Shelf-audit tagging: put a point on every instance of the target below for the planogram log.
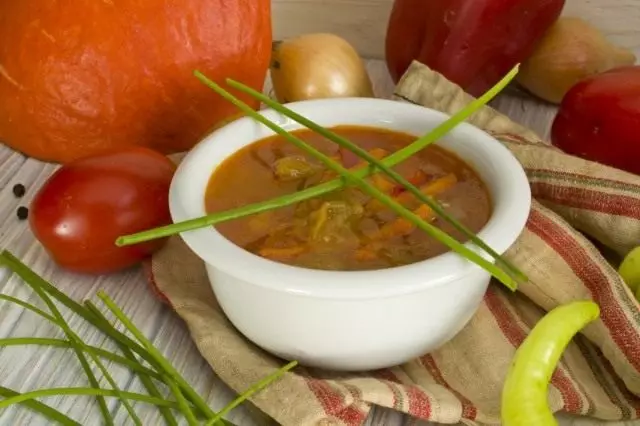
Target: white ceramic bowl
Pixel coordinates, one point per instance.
(350, 320)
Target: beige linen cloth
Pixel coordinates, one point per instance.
(599, 376)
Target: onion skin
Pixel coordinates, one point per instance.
(524, 394)
(316, 66)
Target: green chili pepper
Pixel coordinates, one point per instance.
(524, 394)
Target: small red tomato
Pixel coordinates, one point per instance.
(599, 119)
(87, 204)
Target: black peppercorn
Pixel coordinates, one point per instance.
(22, 212)
(19, 190)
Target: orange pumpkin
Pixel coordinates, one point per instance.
(78, 77)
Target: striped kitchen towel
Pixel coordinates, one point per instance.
(577, 204)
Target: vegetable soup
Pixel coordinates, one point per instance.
(346, 229)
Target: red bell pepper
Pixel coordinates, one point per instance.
(599, 119)
(473, 43)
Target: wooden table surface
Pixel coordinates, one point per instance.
(29, 368)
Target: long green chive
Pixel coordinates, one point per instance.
(345, 143)
(144, 378)
(78, 346)
(37, 406)
(28, 399)
(155, 353)
(29, 307)
(182, 403)
(371, 190)
(78, 349)
(102, 353)
(110, 380)
(318, 190)
(29, 276)
(263, 383)
(42, 393)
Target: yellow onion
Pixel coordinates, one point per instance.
(314, 66)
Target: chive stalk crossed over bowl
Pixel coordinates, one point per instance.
(502, 270)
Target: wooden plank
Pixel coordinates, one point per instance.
(364, 22)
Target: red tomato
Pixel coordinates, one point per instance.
(88, 203)
(599, 119)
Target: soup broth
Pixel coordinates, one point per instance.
(346, 229)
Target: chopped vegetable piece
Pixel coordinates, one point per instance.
(378, 153)
(398, 228)
(366, 253)
(402, 226)
(281, 253)
(293, 167)
(261, 223)
(382, 183)
(431, 189)
(332, 219)
(349, 159)
(418, 178)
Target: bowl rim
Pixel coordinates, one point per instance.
(216, 251)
